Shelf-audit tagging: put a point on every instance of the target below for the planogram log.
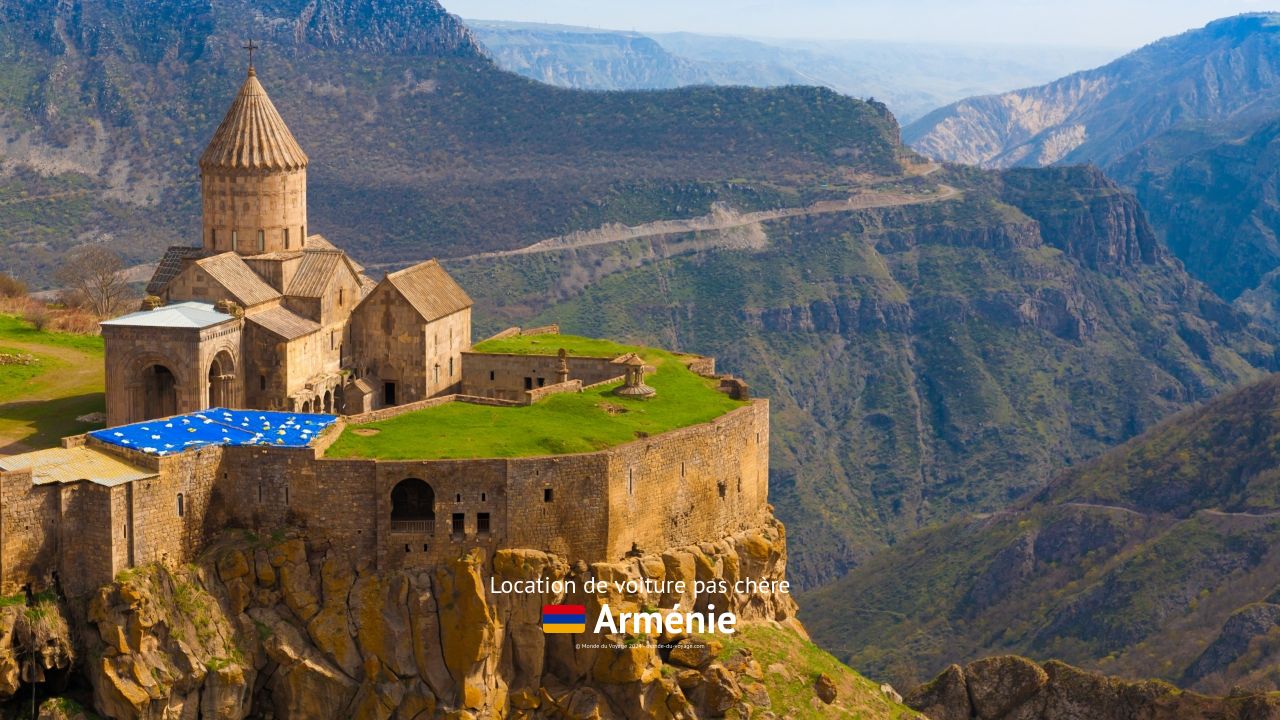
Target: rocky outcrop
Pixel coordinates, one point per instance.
(1245, 625)
(302, 631)
(35, 643)
(1011, 687)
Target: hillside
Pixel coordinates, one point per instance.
(1157, 559)
(420, 146)
(922, 360)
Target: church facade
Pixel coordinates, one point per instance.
(264, 314)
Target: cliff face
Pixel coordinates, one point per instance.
(1010, 687)
(279, 628)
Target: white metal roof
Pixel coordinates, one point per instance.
(177, 315)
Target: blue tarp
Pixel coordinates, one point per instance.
(217, 426)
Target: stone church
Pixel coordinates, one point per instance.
(264, 314)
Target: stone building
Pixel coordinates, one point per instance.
(263, 314)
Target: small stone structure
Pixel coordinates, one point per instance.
(633, 380)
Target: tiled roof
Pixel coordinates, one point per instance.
(318, 242)
(430, 290)
(170, 265)
(178, 315)
(63, 465)
(283, 322)
(231, 271)
(314, 273)
(253, 136)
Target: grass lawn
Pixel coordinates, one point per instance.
(40, 403)
(551, 344)
(567, 423)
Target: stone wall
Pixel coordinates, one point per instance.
(28, 532)
(691, 484)
(508, 376)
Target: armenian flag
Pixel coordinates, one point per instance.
(564, 619)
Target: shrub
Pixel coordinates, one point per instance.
(38, 315)
(11, 287)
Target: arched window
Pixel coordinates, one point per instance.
(413, 507)
(262, 241)
(182, 509)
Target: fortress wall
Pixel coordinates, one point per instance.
(85, 527)
(690, 485)
(462, 487)
(502, 376)
(269, 487)
(28, 531)
(574, 522)
(161, 530)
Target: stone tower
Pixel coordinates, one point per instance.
(253, 179)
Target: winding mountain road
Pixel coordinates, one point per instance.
(720, 218)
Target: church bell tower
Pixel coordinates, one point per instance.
(253, 179)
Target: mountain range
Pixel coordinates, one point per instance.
(911, 78)
(421, 148)
(1188, 123)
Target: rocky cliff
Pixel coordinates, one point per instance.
(278, 627)
(1014, 688)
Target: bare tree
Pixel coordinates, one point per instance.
(97, 275)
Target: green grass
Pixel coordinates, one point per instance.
(40, 403)
(551, 344)
(16, 380)
(15, 328)
(560, 424)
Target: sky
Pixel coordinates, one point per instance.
(1097, 23)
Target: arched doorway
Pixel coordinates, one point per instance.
(413, 507)
(328, 401)
(306, 406)
(339, 403)
(159, 392)
(222, 380)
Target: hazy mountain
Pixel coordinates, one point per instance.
(1224, 74)
(1157, 559)
(911, 78)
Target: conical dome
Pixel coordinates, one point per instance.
(253, 136)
